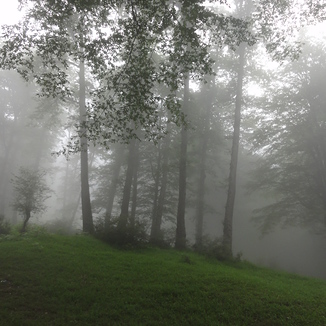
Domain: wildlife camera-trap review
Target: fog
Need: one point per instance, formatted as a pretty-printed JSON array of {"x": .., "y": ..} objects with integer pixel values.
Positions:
[{"x": 138, "y": 149}]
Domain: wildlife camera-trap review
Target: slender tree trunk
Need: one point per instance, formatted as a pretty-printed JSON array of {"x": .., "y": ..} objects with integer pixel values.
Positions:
[
  {"x": 65, "y": 189},
  {"x": 124, "y": 215},
  {"x": 156, "y": 192},
  {"x": 134, "y": 187},
  {"x": 180, "y": 240},
  {"x": 229, "y": 208},
  {"x": 26, "y": 219},
  {"x": 85, "y": 195},
  {"x": 74, "y": 213},
  {"x": 200, "y": 204},
  {"x": 164, "y": 183},
  {"x": 202, "y": 174},
  {"x": 163, "y": 160},
  {"x": 114, "y": 182}
]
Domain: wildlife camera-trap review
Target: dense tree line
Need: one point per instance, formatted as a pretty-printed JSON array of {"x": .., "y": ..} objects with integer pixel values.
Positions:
[{"x": 157, "y": 98}]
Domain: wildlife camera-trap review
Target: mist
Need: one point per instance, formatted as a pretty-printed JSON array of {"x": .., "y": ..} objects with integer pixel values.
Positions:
[{"x": 142, "y": 139}]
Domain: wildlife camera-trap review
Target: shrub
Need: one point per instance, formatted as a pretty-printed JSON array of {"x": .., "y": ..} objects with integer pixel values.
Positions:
[
  {"x": 35, "y": 230},
  {"x": 215, "y": 249},
  {"x": 131, "y": 236}
]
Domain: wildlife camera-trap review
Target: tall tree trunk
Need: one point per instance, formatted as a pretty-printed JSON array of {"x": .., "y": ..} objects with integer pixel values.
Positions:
[
  {"x": 164, "y": 183},
  {"x": 124, "y": 215},
  {"x": 88, "y": 226},
  {"x": 114, "y": 182},
  {"x": 134, "y": 186},
  {"x": 154, "y": 225},
  {"x": 229, "y": 208},
  {"x": 180, "y": 240},
  {"x": 65, "y": 189},
  {"x": 74, "y": 212},
  {"x": 161, "y": 180},
  {"x": 202, "y": 175}
]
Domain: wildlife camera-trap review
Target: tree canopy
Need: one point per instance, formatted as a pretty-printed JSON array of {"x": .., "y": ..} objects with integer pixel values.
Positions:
[{"x": 129, "y": 47}]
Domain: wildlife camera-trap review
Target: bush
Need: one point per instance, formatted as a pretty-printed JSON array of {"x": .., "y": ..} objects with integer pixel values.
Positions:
[
  {"x": 130, "y": 237},
  {"x": 5, "y": 227},
  {"x": 215, "y": 249},
  {"x": 35, "y": 230},
  {"x": 32, "y": 231}
]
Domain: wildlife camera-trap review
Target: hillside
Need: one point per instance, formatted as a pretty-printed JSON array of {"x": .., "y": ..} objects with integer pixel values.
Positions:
[{"x": 77, "y": 280}]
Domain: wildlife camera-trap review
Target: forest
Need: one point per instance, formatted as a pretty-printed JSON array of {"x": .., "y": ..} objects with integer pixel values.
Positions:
[{"x": 191, "y": 124}]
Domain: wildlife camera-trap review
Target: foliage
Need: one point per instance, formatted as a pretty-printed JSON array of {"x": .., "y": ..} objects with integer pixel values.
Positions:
[
  {"x": 132, "y": 236},
  {"x": 71, "y": 280},
  {"x": 35, "y": 230},
  {"x": 32, "y": 231},
  {"x": 30, "y": 192},
  {"x": 130, "y": 54},
  {"x": 214, "y": 248},
  {"x": 290, "y": 144},
  {"x": 26, "y": 137}
]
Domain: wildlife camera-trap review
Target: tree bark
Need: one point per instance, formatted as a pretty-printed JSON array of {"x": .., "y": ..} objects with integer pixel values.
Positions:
[
  {"x": 124, "y": 215},
  {"x": 202, "y": 175},
  {"x": 180, "y": 240},
  {"x": 163, "y": 160},
  {"x": 26, "y": 219},
  {"x": 134, "y": 186},
  {"x": 229, "y": 208},
  {"x": 154, "y": 227},
  {"x": 88, "y": 226},
  {"x": 114, "y": 183}
]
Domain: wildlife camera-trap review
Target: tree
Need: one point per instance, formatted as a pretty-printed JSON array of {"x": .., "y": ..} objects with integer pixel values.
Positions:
[
  {"x": 112, "y": 188},
  {"x": 30, "y": 193},
  {"x": 160, "y": 186},
  {"x": 85, "y": 194},
  {"x": 180, "y": 238},
  {"x": 48, "y": 44},
  {"x": 291, "y": 147},
  {"x": 26, "y": 136},
  {"x": 120, "y": 52},
  {"x": 207, "y": 94},
  {"x": 131, "y": 165},
  {"x": 229, "y": 207}
]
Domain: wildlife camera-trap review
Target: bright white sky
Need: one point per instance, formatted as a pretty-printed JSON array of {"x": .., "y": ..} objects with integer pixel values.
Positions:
[{"x": 9, "y": 13}]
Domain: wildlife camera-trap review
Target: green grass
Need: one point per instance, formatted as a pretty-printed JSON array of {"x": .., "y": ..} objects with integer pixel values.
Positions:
[{"x": 77, "y": 280}]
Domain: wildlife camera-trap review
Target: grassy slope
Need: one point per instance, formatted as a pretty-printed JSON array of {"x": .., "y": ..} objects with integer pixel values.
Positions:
[{"x": 61, "y": 280}]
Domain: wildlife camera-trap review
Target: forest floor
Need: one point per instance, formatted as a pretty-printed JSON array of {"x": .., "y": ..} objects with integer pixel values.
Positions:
[{"x": 77, "y": 280}]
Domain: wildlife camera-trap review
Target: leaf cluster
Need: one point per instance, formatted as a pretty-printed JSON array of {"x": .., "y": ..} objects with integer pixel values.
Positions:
[
  {"x": 132, "y": 49},
  {"x": 30, "y": 191},
  {"x": 290, "y": 144}
]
